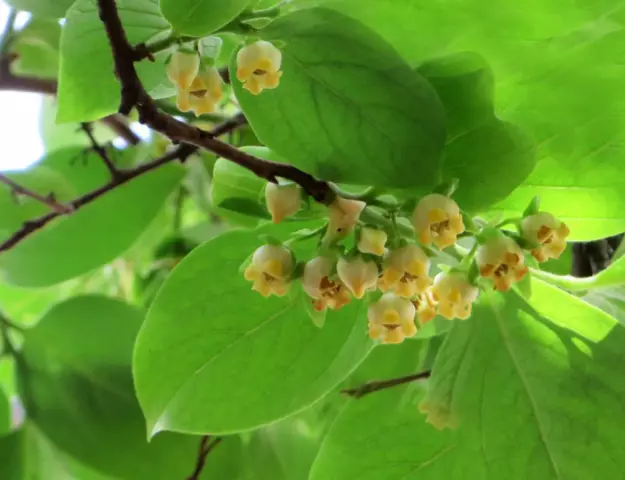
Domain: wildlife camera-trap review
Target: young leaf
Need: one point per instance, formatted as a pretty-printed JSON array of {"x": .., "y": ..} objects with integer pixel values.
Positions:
[
  {"x": 200, "y": 17},
  {"x": 37, "y": 47},
  {"x": 96, "y": 233},
  {"x": 238, "y": 360},
  {"x": 76, "y": 383},
  {"x": 347, "y": 109},
  {"x": 88, "y": 89}
]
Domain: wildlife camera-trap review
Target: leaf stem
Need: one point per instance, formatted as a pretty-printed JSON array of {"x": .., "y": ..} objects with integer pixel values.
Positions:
[
  {"x": 371, "y": 387},
  {"x": 568, "y": 282}
]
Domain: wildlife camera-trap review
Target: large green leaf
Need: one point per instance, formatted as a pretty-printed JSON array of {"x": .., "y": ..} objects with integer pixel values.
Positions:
[
  {"x": 96, "y": 233},
  {"x": 214, "y": 356},
  {"x": 76, "y": 382},
  {"x": 44, "y": 8},
  {"x": 348, "y": 109},
  {"x": 488, "y": 156},
  {"x": 201, "y": 17},
  {"x": 545, "y": 58},
  {"x": 88, "y": 89},
  {"x": 5, "y": 413},
  {"x": 37, "y": 47}
]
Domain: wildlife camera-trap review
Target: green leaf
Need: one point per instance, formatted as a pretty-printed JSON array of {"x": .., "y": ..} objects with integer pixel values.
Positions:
[
  {"x": 538, "y": 379},
  {"x": 228, "y": 368},
  {"x": 348, "y": 109},
  {"x": 37, "y": 47},
  {"x": 96, "y": 233},
  {"x": 44, "y": 8},
  {"x": 88, "y": 89},
  {"x": 5, "y": 413},
  {"x": 488, "y": 156},
  {"x": 201, "y": 17},
  {"x": 10, "y": 447},
  {"x": 612, "y": 276},
  {"x": 75, "y": 379}
]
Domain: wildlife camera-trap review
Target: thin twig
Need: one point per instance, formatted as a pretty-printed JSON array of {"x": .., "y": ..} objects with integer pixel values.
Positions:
[
  {"x": 101, "y": 151},
  {"x": 205, "y": 448},
  {"x": 118, "y": 125},
  {"x": 6, "y": 37},
  {"x": 370, "y": 387},
  {"x": 48, "y": 200},
  {"x": 133, "y": 95},
  {"x": 181, "y": 153}
]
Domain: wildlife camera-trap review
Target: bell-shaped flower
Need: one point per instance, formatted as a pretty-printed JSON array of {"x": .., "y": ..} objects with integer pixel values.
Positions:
[
  {"x": 501, "y": 260},
  {"x": 326, "y": 292},
  {"x": 258, "y": 66},
  {"x": 391, "y": 319},
  {"x": 282, "y": 200},
  {"x": 406, "y": 271},
  {"x": 454, "y": 295},
  {"x": 271, "y": 269},
  {"x": 548, "y": 232},
  {"x": 358, "y": 275},
  {"x": 343, "y": 214},
  {"x": 372, "y": 241},
  {"x": 437, "y": 219},
  {"x": 426, "y": 307},
  {"x": 203, "y": 94},
  {"x": 182, "y": 69}
]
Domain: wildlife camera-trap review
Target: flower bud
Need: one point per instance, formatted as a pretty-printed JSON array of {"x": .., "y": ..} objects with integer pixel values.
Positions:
[
  {"x": 391, "y": 319},
  {"x": 454, "y": 295},
  {"x": 547, "y": 231},
  {"x": 258, "y": 66},
  {"x": 282, "y": 200},
  {"x": 406, "y": 272},
  {"x": 182, "y": 69},
  {"x": 501, "y": 259},
  {"x": 372, "y": 241},
  {"x": 270, "y": 270},
  {"x": 358, "y": 275},
  {"x": 437, "y": 219},
  {"x": 316, "y": 282},
  {"x": 343, "y": 216}
]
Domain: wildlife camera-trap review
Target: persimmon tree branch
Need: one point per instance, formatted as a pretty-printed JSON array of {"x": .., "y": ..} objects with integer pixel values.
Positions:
[
  {"x": 206, "y": 446},
  {"x": 100, "y": 150},
  {"x": 180, "y": 153},
  {"x": 370, "y": 387},
  {"x": 48, "y": 200},
  {"x": 133, "y": 95}
]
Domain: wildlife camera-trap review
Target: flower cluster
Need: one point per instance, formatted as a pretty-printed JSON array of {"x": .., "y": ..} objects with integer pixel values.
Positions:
[{"x": 400, "y": 268}]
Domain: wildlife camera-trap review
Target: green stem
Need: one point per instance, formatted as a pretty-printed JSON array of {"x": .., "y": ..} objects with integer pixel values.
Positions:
[
  {"x": 267, "y": 12},
  {"x": 6, "y": 345},
  {"x": 7, "y": 34},
  {"x": 169, "y": 41},
  {"x": 573, "y": 284}
]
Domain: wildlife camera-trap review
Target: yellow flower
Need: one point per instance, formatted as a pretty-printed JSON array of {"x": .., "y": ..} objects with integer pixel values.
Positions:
[
  {"x": 282, "y": 200},
  {"x": 437, "y": 219},
  {"x": 391, "y": 319},
  {"x": 358, "y": 275},
  {"x": 454, "y": 295},
  {"x": 372, "y": 241},
  {"x": 546, "y": 230},
  {"x": 270, "y": 270},
  {"x": 203, "y": 94},
  {"x": 317, "y": 284},
  {"x": 258, "y": 66},
  {"x": 406, "y": 271},
  {"x": 343, "y": 215},
  {"x": 182, "y": 69},
  {"x": 501, "y": 259},
  {"x": 426, "y": 307}
]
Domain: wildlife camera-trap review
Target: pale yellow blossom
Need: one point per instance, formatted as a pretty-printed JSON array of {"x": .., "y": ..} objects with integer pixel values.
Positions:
[
  {"x": 391, "y": 319},
  {"x": 203, "y": 94},
  {"x": 406, "y": 271},
  {"x": 426, "y": 307},
  {"x": 343, "y": 214},
  {"x": 270, "y": 270},
  {"x": 372, "y": 241},
  {"x": 453, "y": 294},
  {"x": 182, "y": 69},
  {"x": 319, "y": 284},
  {"x": 437, "y": 219},
  {"x": 548, "y": 232},
  {"x": 282, "y": 200},
  {"x": 258, "y": 66},
  {"x": 358, "y": 275},
  {"x": 501, "y": 260},
  {"x": 439, "y": 415}
]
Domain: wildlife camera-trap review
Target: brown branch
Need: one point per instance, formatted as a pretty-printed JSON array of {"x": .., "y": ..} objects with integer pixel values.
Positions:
[
  {"x": 48, "y": 200},
  {"x": 180, "y": 153},
  {"x": 133, "y": 94},
  {"x": 101, "y": 151},
  {"x": 205, "y": 448},
  {"x": 370, "y": 387},
  {"x": 118, "y": 125}
]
